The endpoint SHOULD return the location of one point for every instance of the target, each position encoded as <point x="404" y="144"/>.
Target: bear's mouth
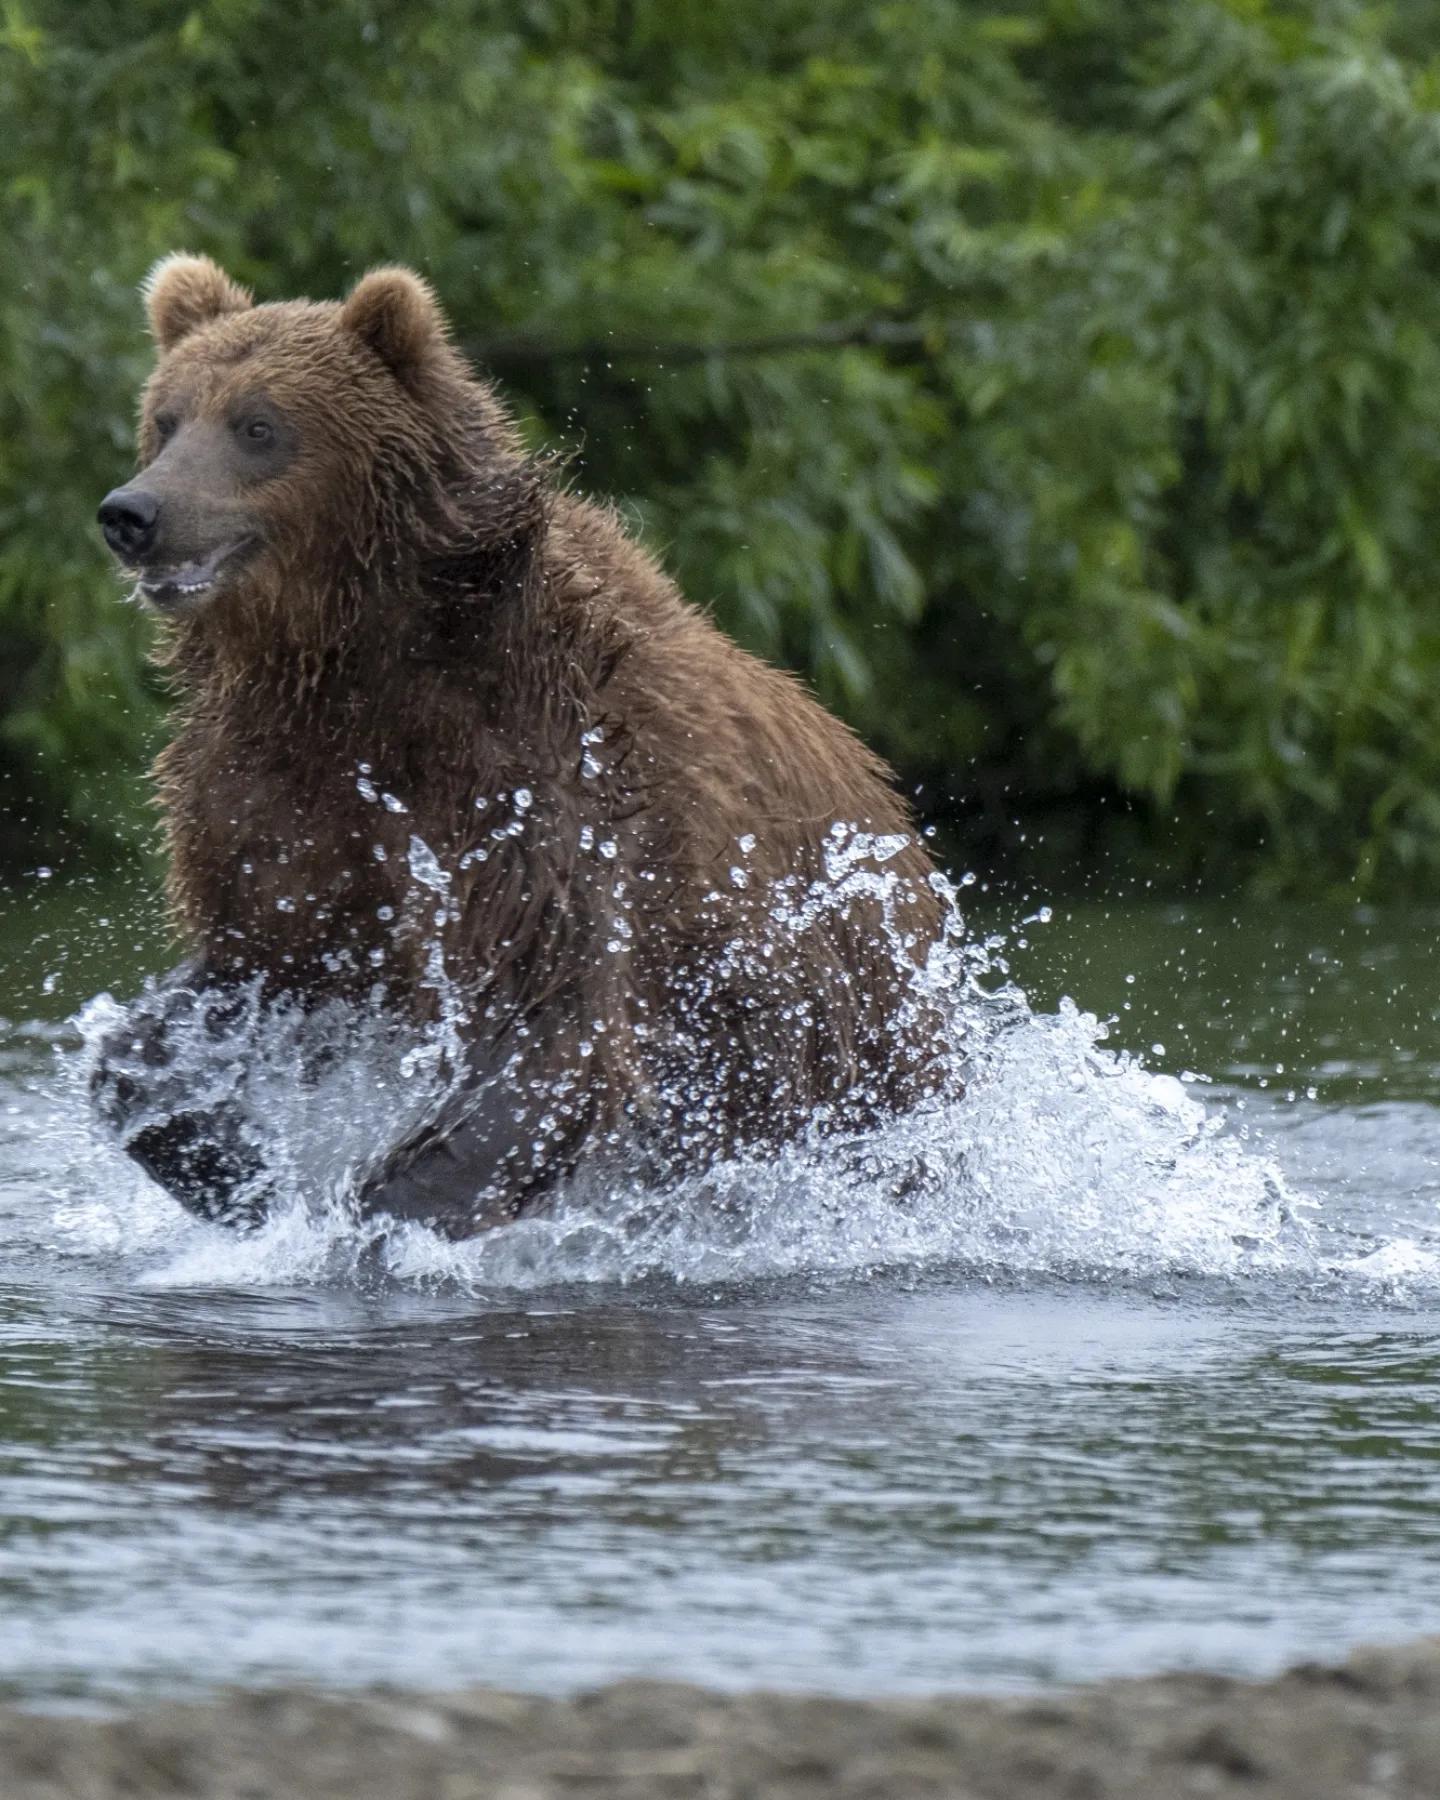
<point x="187" y="581"/>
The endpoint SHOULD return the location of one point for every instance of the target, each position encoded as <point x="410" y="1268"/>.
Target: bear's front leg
<point x="163" y="1082"/>
<point x="491" y="1157"/>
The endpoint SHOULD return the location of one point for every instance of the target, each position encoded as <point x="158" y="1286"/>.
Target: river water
<point x="1141" y="1374"/>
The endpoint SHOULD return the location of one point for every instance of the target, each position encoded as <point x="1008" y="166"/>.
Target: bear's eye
<point x="257" y="431"/>
<point x="165" y="423"/>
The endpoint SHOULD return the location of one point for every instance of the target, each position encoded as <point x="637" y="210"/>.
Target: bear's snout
<point x="129" y="519"/>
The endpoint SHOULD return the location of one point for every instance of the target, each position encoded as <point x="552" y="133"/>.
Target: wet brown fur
<point x="433" y="614"/>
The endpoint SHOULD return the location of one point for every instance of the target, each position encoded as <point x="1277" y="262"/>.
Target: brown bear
<point x="445" y="727"/>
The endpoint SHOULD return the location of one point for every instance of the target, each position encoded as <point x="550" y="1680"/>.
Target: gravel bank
<point x="1367" y="1727"/>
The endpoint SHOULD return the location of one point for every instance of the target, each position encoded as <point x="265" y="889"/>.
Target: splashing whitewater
<point x="1064" y="1156"/>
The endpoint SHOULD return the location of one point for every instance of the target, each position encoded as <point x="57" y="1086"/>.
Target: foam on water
<point x="1063" y="1157"/>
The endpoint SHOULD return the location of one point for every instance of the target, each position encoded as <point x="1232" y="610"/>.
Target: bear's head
<point x="283" y="439"/>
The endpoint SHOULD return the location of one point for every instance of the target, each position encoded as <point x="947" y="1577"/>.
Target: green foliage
<point x="1056" y="385"/>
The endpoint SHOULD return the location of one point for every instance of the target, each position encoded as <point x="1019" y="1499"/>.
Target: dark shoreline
<point x="1367" y="1727"/>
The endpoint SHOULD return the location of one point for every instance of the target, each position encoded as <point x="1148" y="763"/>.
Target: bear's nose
<point x="128" y="518"/>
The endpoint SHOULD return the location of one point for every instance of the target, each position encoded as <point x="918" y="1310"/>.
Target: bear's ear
<point x="183" y="292"/>
<point x="394" y="313"/>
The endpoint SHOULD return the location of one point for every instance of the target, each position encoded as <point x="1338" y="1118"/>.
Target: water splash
<point x="1064" y="1156"/>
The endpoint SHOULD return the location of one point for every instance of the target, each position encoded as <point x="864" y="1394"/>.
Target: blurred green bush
<point x="1056" y="384"/>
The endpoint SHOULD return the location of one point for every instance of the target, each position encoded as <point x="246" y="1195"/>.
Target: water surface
<point x="1116" y="1390"/>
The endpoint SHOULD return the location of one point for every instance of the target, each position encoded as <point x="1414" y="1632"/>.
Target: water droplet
<point x="425" y="866"/>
